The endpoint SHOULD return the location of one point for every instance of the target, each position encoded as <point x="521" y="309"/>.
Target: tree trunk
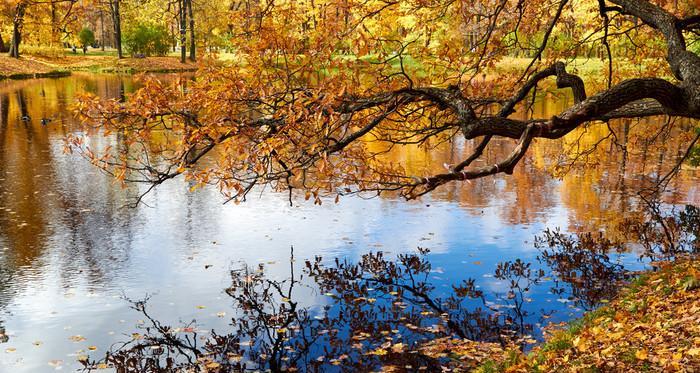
<point x="193" y="44"/>
<point x="174" y="37"/>
<point x="182" y="4"/>
<point x="54" y="25"/>
<point x="116" y="20"/>
<point x="102" y="26"/>
<point x="17" y="25"/>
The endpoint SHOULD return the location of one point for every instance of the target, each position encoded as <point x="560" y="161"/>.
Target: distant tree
<point x="115" y="11"/>
<point x="146" y="40"/>
<point x="193" y="44"/>
<point x="3" y="48"/>
<point x="17" y="26"/>
<point x="182" y="9"/>
<point x="86" y="37"/>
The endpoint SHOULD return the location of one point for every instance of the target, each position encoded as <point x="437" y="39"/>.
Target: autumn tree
<point x="193" y="41"/>
<point x="87" y="37"/>
<point x="185" y="13"/>
<point x="115" y="12"/>
<point x="17" y="27"/>
<point x="321" y="90"/>
<point x="49" y="20"/>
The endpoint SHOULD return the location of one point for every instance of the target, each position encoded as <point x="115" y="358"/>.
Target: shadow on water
<point x="380" y="311"/>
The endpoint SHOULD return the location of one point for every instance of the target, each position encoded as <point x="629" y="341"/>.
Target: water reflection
<point x="69" y="249"/>
<point x="378" y="313"/>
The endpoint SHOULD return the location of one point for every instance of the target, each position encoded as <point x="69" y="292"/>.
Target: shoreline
<point x="34" y="67"/>
<point x="36" y="75"/>
<point x="638" y="330"/>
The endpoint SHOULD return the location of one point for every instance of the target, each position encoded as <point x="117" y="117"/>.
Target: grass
<point x="97" y="60"/>
<point x="580" y="66"/>
<point x="53" y="62"/>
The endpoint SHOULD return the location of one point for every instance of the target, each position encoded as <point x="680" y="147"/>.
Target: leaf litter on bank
<point x="652" y="326"/>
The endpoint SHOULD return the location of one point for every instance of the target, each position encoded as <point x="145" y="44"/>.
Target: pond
<point x="74" y="257"/>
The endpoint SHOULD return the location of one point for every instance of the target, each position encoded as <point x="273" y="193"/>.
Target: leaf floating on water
<point x="10" y="350"/>
<point x="221" y="314"/>
<point x="55" y="363"/>
<point x="37" y="343"/>
<point x="77" y="338"/>
<point x="398" y="348"/>
<point x="201" y="307"/>
<point x="92" y="348"/>
<point x="379" y="352"/>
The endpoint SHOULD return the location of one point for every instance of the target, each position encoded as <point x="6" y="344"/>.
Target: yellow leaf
<point x="397" y="348"/>
<point x="641" y="354"/>
<point x="607" y="351"/>
<point x="213" y="365"/>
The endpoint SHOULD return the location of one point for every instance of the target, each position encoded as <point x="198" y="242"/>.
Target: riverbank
<point x="652" y="326"/>
<point x="38" y="67"/>
<point x="11" y="68"/>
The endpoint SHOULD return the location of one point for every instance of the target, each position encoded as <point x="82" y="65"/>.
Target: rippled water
<point x="70" y="250"/>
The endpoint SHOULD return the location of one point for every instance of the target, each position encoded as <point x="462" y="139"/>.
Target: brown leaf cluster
<point x="463" y="354"/>
<point x="654" y="325"/>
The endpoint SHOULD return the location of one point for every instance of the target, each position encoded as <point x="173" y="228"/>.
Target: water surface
<point x="70" y="249"/>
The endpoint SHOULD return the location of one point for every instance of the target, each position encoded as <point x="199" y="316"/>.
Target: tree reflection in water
<point x="381" y="311"/>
